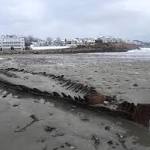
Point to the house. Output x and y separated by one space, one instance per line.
110 39
12 42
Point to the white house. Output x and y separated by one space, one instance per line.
12 42
110 39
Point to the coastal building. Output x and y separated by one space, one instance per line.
109 39
80 41
137 42
12 42
48 42
88 41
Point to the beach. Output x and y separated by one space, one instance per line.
60 126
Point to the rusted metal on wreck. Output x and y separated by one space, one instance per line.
51 85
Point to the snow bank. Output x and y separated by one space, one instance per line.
48 47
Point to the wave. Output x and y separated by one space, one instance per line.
140 51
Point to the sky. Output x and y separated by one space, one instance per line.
128 19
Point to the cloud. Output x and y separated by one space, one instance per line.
67 18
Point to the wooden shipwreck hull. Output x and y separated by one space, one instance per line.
50 85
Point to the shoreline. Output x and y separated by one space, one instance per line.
63 51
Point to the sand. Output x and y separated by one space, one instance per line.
65 126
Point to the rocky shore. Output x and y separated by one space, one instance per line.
96 48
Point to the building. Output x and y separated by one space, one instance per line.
109 39
12 42
139 43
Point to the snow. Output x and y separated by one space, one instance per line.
48 47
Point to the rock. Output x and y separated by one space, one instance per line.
15 105
62 146
110 142
135 85
34 117
107 128
96 140
51 114
70 146
49 129
14 102
4 96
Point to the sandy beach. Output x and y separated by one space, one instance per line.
64 126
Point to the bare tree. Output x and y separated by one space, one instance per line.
49 41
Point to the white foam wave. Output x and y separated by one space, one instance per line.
140 51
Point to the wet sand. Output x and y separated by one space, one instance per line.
65 126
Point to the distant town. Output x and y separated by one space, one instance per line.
14 42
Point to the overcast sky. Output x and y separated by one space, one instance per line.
76 18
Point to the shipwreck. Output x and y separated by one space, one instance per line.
58 87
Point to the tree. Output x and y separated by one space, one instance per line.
29 40
49 41
58 42
99 41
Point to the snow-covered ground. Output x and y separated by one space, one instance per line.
48 47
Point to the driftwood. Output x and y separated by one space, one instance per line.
51 85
